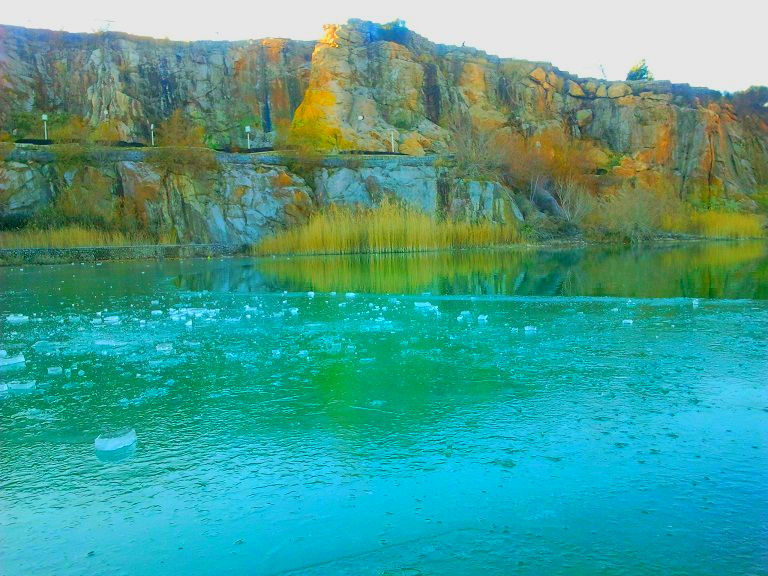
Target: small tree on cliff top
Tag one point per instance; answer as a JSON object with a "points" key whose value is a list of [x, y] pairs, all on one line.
{"points": [[182, 149], [177, 130], [639, 72]]}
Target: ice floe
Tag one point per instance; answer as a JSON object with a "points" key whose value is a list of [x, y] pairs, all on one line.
{"points": [[115, 440], [17, 319], [11, 360], [22, 385], [426, 307], [109, 343]]}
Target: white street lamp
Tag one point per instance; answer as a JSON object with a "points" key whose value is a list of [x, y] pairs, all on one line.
{"points": [[44, 118], [248, 135], [152, 133]]}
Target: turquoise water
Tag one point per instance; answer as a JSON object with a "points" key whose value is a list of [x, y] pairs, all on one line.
{"points": [[625, 431]]}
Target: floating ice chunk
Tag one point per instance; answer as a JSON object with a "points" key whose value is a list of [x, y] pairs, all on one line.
{"points": [[276, 353], [482, 318], [11, 360], [46, 347], [155, 302], [332, 293], [627, 321], [350, 295], [188, 323], [695, 303], [294, 311], [112, 320], [109, 343], [156, 312], [422, 305], [17, 318], [310, 294], [3, 354], [430, 310], [22, 385], [342, 304], [614, 309], [530, 329], [164, 347], [3, 387], [251, 308], [380, 319], [115, 441], [464, 315], [55, 371], [186, 313], [303, 353]]}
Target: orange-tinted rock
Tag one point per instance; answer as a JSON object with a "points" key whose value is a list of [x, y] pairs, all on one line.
{"points": [[575, 90], [618, 90]]}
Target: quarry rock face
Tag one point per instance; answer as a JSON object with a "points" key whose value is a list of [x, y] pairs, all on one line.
{"points": [[362, 86], [237, 202], [140, 81]]}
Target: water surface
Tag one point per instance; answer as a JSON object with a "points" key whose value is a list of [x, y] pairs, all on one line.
{"points": [[609, 416]]}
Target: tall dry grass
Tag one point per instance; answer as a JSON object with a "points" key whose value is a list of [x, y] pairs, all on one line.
{"points": [[713, 224], [386, 228], [76, 237], [636, 215]]}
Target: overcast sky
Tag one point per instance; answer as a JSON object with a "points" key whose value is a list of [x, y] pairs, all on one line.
{"points": [[722, 45]]}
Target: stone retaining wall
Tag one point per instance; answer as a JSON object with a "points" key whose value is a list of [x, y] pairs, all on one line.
{"points": [[15, 256]]}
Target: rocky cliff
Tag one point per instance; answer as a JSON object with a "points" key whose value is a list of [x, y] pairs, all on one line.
{"points": [[368, 86], [237, 198], [139, 81]]}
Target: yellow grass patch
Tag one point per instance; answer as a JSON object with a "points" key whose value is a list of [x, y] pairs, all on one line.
{"points": [[712, 224], [386, 228], [76, 237]]}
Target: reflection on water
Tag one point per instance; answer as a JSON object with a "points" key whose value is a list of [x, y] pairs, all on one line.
{"points": [[725, 270]]}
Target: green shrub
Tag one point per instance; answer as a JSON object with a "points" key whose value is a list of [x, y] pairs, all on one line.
{"points": [[639, 72]]}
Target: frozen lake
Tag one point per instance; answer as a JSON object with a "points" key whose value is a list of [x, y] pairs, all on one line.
{"points": [[570, 412]]}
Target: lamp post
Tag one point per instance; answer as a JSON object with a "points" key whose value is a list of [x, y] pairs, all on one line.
{"points": [[152, 133], [44, 118], [392, 140], [248, 135]]}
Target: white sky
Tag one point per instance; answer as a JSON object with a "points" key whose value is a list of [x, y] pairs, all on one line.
{"points": [[721, 45]]}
